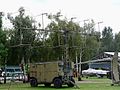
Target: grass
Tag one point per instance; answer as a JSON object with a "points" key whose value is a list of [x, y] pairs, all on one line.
{"points": [[21, 86], [86, 84]]}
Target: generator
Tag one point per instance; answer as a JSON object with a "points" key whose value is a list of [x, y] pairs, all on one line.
{"points": [[56, 73]]}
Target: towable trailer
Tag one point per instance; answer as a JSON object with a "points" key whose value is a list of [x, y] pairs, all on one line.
{"points": [[55, 73]]}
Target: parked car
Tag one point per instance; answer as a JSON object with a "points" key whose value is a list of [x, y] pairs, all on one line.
{"points": [[13, 72]]}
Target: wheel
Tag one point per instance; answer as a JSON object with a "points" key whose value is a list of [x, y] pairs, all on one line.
{"points": [[33, 82], [71, 83], [112, 84], [57, 83], [79, 78], [47, 84], [23, 81]]}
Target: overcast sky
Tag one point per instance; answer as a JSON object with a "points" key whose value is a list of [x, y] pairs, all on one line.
{"points": [[107, 11]]}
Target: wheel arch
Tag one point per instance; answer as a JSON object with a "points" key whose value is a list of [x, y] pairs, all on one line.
{"points": [[56, 78]]}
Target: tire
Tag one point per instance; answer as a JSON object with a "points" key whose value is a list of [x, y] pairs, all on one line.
{"points": [[71, 83], [47, 84], [23, 81], [112, 84], [57, 83], [33, 82]]}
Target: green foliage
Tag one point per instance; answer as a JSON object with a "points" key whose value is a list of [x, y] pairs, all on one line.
{"points": [[58, 36], [18, 36], [117, 42], [3, 49], [107, 39], [64, 32], [78, 42], [91, 41]]}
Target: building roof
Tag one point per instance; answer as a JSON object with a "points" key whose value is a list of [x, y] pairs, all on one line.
{"points": [[112, 53]]}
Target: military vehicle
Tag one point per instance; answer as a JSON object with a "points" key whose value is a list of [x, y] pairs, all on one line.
{"points": [[56, 73]]}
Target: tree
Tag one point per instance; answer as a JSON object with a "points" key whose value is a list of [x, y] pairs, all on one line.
{"points": [[80, 39], [107, 39], [91, 41], [61, 33], [3, 48], [21, 35], [64, 33], [117, 42]]}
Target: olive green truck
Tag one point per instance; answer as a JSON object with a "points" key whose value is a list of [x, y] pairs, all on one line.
{"points": [[56, 73]]}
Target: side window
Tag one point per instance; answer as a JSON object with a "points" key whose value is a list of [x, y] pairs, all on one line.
{"points": [[9, 70], [17, 70]]}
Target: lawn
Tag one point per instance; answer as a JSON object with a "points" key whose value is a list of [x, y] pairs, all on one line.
{"points": [[86, 84]]}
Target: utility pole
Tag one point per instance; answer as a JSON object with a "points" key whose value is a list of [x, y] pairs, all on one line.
{"points": [[43, 19], [84, 44], [42, 14], [81, 51], [66, 45], [66, 53], [21, 11], [43, 27], [76, 53]]}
